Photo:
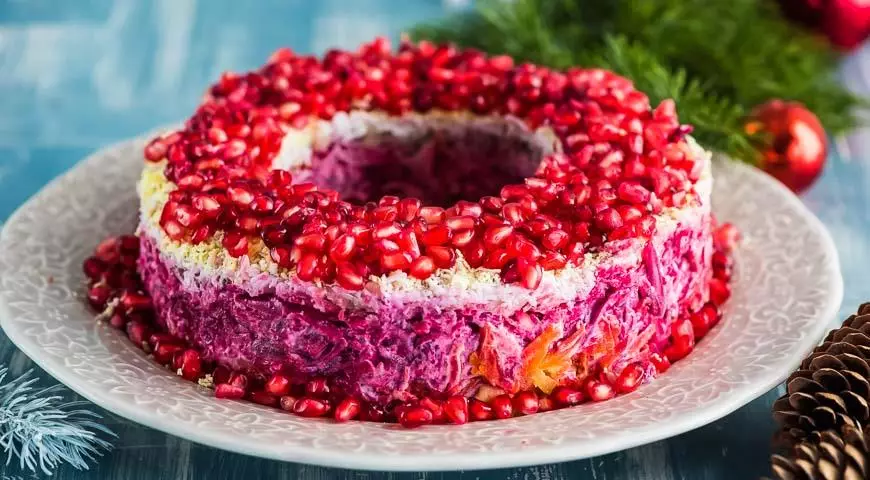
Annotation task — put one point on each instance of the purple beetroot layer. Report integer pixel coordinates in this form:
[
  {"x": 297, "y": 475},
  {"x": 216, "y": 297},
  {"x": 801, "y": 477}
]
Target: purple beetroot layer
[{"x": 383, "y": 348}]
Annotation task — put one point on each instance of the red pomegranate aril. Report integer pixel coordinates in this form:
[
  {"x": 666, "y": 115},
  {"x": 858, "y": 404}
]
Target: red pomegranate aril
[
  {"x": 310, "y": 407},
  {"x": 456, "y": 410},
  {"x": 191, "y": 365},
  {"x": 525, "y": 403},
  {"x": 632, "y": 192},
  {"x": 629, "y": 379},
  {"x": 161, "y": 337},
  {"x": 703, "y": 320},
  {"x": 342, "y": 248},
  {"x": 287, "y": 402},
  {"x": 462, "y": 222},
  {"x": 348, "y": 409},
  {"x": 479, "y": 411},
  {"x": 225, "y": 390},
  {"x": 192, "y": 181},
  {"x": 553, "y": 261},
  {"x": 385, "y": 230},
  {"x": 138, "y": 332},
  {"x": 436, "y": 235},
  {"x": 502, "y": 406},
  {"x": 497, "y": 259},
  {"x": 238, "y": 379},
  {"x": 530, "y": 273},
  {"x": 598, "y": 391},
  {"x": 545, "y": 404},
  {"x": 98, "y": 295},
  {"x": 555, "y": 239},
  {"x": 163, "y": 352},
  {"x": 720, "y": 292},
  {"x": 513, "y": 213},
  {"x": 278, "y": 385},
  {"x": 495, "y": 236},
  {"x": 434, "y": 406},
  {"x": 155, "y": 151},
  {"x": 118, "y": 320},
  {"x": 443, "y": 257},
  {"x": 135, "y": 301},
  {"x": 314, "y": 242},
  {"x": 317, "y": 387},
  {"x": 726, "y": 236},
  {"x": 422, "y": 267},
  {"x": 566, "y": 396},
  {"x": 94, "y": 268},
  {"x": 348, "y": 277},
  {"x": 660, "y": 362},
  {"x": 408, "y": 209},
  {"x": 264, "y": 398},
  {"x": 432, "y": 215},
  {"x": 372, "y": 413},
  {"x": 396, "y": 261},
  {"x": 608, "y": 219},
  {"x": 236, "y": 243},
  {"x": 415, "y": 417},
  {"x": 241, "y": 196}
]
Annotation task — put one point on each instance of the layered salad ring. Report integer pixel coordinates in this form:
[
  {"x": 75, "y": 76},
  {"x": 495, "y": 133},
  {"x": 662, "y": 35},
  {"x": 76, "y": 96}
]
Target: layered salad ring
[{"x": 426, "y": 235}]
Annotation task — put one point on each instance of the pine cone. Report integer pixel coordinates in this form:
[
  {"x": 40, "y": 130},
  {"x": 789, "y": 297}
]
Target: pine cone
[
  {"x": 832, "y": 387},
  {"x": 834, "y": 455}
]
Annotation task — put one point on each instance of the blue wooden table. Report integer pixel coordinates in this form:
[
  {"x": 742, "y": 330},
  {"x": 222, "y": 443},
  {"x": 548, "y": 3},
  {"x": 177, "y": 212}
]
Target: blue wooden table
[{"x": 78, "y": 74}]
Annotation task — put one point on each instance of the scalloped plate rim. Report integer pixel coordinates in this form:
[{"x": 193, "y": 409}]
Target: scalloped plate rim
[{"x": 444, "y": 461}]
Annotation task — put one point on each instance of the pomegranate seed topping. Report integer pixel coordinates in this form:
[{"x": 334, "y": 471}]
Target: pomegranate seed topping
[
  {"x": 310, "y": 407},
  {"x": 478, "y": 410},
  {"x": 555, "y": 239},
  {"x": 629, "y": 379},
  {"x": 436, "y": 235},
  {"x": 94, "y": 268},
  {"x": 287, "y": 402},
  {"x": 278, "y": 385},
  {"x": 502, "y": 406},
  {"x": 422, "y": 267},
  {"x": 191, "y": 365},
  {"x": 317, "y": 387},
  {"x": 726, "y": 237},
  {"x": 347, "y": 410},
  {"x": 98, "y": 295},
  {"x": 566, "y": 396},
  {"x": 238, "y": 379},
  {"x": 314, "y": 242},
  {"x": 342, "y": 248},
  {"x": 264, "y": 398},
  {"x": 456, "y": 409},
  {"x": 525, "y": 403},
  {"x": 163, "y": 352},
  {"x": 135, "y": 301},
  {"x": 443, "y": 257},
  {"x": 225, "y": 390},
  {"x": 661, "y": 363},
  {"x": 633, "y": 192},
  {"x": 241, "y": 196},
  {"x": 236, "y": 243},
  {"x": 719, "y": 291},
  {"x": 432, "y": 215},
  {"x": 372, "y": 413},
  {"x": 496, "y": 236},
  {"x": 435, "y": 407},
  {"x": 530, "y": 273},
  {"x": 118, "y": 320},
  {"x": 545, "y": 404},
  {"x": 155, "y": 151},
  {"x": 346, "y": 275},
  {"x": 462, "y": 222},
  {"x": 396, "y": 261},
  {"x": 598, "y": 391},
  {"x": 415, "y": 417}
]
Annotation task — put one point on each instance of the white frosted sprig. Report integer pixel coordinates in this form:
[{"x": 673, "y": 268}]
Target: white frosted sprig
[{"x": 40, "y": 428}]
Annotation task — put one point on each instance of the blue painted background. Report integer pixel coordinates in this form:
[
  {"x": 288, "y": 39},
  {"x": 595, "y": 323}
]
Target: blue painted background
[{"x": 78, "y": 74}]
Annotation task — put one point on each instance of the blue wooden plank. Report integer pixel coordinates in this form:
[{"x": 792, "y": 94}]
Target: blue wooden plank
[{"x": 78, "y": 75}]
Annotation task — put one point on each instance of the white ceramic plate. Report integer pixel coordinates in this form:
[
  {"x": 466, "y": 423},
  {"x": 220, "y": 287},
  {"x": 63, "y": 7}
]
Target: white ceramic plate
[{"x": 787, "y": 288}]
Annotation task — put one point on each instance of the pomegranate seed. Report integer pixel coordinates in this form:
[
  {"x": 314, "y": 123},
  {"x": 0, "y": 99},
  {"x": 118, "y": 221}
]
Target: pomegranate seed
[
  {"x": 545, "y": 404},
  {"x": 496, "y": 236},
  {"x": 98, "y": 295},
  {"x": 443, "y": 257},
  {"x": 530, "y": 273},
  {"x": 118, "y": 320},
  {"x": 415, "y": 417},
  {"x": 236, "y": 243},
  {"x": 238, "y": 379},
  {"x": 94, "y": 268},
  {"x": 566, "y": 396},
  {"x": 478, "y": 410},
  {"x": 719, "y": 291},
  {"x": 436, "y": 235},
  {"x": 138, "y": 333},
  {"x": 317, "y": 387},
  {"x": 456, "y": 409},
  {"x": 241, "y": 196},
  {"x": 462, "y": 222},
  {"x": 155, "y": 151},
  {"x": 372, "y": 413},
  {"x": 396, "y": 261},
  {"x": 422, "y": 267},
  {"x": 435, "y": 407},
  {"x": 310, "y": 407},
  {"x": 555, "y": 239},
  {"x": 348, "y": 409},
  {"x": 661, "y": 363},
  {"x": 163, "y": 352},
  {"x": 278, "y": 385},
  {"x": 314, "y": 242},
  {"x": 264, "y": 398},
  {"x": 342, "y": 248},
  {"x": 633, "y": 192},
  {"x": 502, "y": 406},
  {"x": 207, "y": 204},
  {"x": 287, "y": 402},
  {"x": 704, "y": 319},
  {"x": 225, "y": 390},
  {"x": 346, "y": 275},
  {"x": 726, "y": 237},
  {"x": 629, "y": 379},
  {"x": 525, "y": 403},
  {"x": 608, "y": 219},
  {"x": 191, "y": 365},
  {"x": 598, "y": 391},
  {"x": 135, "y": 301},
  {"x": 432, "y": 215}
]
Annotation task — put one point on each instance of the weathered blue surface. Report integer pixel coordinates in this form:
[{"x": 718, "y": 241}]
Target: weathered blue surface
[{"x": 78, "y": 74}]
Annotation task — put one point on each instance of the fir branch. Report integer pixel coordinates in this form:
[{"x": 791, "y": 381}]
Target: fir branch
[
  {"x": 40, "y": 428},
  {"x": 717, "y": 58}
]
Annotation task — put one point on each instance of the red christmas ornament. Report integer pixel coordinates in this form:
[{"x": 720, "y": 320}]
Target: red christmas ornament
[
  {"x": 794, "y": 145},
  {"x": 846, "y": 23}
]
